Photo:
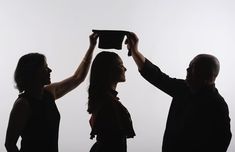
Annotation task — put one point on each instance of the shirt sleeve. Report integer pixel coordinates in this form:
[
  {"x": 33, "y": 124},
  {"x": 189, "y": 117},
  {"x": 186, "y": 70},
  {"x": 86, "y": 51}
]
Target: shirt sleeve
[
  {"x": 162, "y": 81},
  {"x": 222, "y": 135}
]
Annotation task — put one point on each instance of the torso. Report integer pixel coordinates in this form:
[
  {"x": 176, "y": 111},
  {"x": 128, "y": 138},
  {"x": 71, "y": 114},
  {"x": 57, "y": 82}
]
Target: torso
[
  {"x": 41, "y": 131},
  {"x": 112, "y": 125}
]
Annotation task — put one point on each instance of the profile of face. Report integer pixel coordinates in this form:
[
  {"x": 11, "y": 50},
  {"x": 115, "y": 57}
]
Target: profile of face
[
  {"x": 120, "y": 71},
  {"x": 202, "y": 71},
  {"x": 31, "y": 72},
  {"x": 107, "y": 69},
  {"x": 43, "y": 74}
]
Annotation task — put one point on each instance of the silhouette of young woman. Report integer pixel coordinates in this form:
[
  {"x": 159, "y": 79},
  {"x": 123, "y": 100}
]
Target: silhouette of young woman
[{"x": 110, "y": 120}]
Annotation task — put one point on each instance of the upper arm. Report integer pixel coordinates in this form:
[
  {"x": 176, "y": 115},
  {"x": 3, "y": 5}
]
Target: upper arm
[
  {"x": 222, "y": 118},
  {"x": 162, "y": 81},
  {"x": 217, "y": 118},
  {"x": 17, "y": 121},
  {"x": 59, "y": 89}
]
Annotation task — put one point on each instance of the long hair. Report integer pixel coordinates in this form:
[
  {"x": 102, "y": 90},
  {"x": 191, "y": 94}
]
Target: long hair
[
  {"x": 102, "y": 75},
  {"x": 26, "y": 70}
]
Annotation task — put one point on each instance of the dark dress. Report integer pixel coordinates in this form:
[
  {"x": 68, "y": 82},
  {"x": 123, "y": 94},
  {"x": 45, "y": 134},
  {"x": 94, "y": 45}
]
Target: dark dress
[
  {"x": 111, "y": 125},
  {"x": 41, "y": 131},
  {"x": 198, "y": 121}
]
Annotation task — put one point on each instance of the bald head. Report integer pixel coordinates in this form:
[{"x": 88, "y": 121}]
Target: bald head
[{"x": 203, "y": 70}]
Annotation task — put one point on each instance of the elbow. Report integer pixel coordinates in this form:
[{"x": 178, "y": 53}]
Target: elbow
[
  {"x": 81, "y": 79},
  {"x": 78, "y": 80},
  {"x": 10, "y": 146}
]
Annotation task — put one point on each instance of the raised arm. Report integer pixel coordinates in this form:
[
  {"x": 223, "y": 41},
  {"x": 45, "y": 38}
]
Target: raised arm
[
  {"x": 59, "y": 89},
  {"x": 151, "y": 72},
  {"x": 132, "y": 46}
]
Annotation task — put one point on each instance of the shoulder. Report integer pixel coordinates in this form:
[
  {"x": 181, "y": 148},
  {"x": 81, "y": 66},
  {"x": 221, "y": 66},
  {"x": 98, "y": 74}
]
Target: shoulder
[
  {"x": 21, "y": 102},
  {"x": 218, "y": 98},
  {"x": 219, "y": 103},
  {"x": 21, "y": 107}
]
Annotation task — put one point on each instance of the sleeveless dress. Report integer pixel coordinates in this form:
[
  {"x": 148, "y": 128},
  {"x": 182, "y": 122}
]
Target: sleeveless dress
[
  {"x": 111, "y": 125},
  {"x": 41, "y": 131}
]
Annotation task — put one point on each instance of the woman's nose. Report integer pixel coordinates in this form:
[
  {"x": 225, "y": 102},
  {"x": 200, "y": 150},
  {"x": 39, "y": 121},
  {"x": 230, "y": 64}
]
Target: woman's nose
[
  {"x": 49, "y": 70},
  {"x": 124, "y": 68}
]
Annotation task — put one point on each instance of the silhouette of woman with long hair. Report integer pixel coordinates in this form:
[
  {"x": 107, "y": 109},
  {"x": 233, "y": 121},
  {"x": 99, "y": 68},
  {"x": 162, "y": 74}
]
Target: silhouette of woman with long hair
[
  {"x": 34, "y": 116},
  {"x": 110, "y": 120}
]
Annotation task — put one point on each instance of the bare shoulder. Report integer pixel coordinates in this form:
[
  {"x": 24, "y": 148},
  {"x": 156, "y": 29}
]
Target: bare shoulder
[
  {"x": 21, "y": 106},
  {"x": 19, "y": 115}
]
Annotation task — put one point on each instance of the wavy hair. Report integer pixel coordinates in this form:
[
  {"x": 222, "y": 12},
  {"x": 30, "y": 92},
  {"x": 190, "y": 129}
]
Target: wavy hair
[
  {"x": 26, "y": 70},
  {"x": 102, "y": 75}
]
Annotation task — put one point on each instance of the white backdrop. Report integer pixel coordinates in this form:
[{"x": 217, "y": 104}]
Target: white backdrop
[{"x": 171, "y": 33}]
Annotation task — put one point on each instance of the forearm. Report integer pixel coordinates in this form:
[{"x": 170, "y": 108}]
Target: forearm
[
  {"x": 139, "y": 59},
  {"x": 61, "y": 88},
  {"x": 11, "y": 148},
  {"x": 83, "y": 68},
  {"x": 10, "y": 144},
  {"x": 132, "y": 46}
]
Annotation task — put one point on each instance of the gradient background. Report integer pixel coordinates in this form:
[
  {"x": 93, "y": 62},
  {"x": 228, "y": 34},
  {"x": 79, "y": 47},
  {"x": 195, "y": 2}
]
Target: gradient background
[{"x": 171, "y": 33}]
